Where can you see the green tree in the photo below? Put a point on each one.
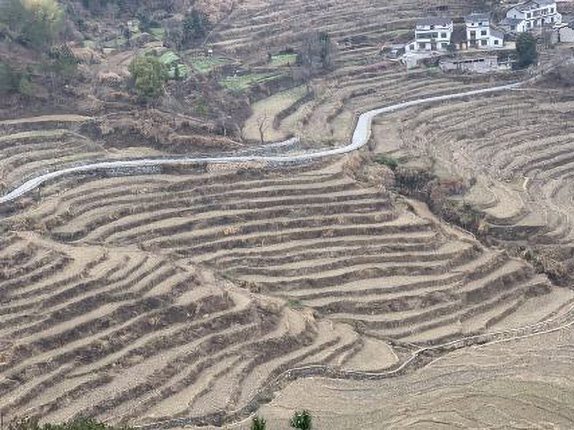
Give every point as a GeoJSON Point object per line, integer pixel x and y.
{"type": "Point", "coordinates": [35, 23]}
{"type": "Point", "coordinates": [149, 76]}
{"type": "Point", "coordinates": [526, 50]}
{"type": "Point", "coordinates": [194, 26]}
{"type": "Point", "coordinates": [258, 423]}
{"type": "Point", "coordinates": [301, 420]}
{"type": "Point", "coordinates": [44, 22]}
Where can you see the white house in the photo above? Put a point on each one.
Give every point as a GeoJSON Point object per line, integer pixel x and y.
{"type": "Point", "coordinates": [431, 34]}
{"type": "Point", "coordinates": [479, 34]}
{"type": "Point", "coordinates": [513, 25]}
{"type": "Point", "coordinates": [530, 15]}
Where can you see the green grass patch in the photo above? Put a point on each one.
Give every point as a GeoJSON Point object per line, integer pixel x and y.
{"type": "Point", "coordinates": [241, 83]}
{"type": "Point", "coordinates": [158, 32]}
{"type": "Point", "coordinates": [204, 64]}
{"type": "Point", "coordinates": [387, 160]}
{"type": "Point", "coordinates": [168, 57]}
{"type": "Point", "coordinates": [283, 59]}
{"type": "Point", "coordinates": [178, 71]}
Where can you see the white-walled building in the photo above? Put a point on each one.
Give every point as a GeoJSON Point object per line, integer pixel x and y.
{"type": "Point", "coordinates": [530, 15]}
{"type": "Point", "coordinates": [431, 34]}
{"type": "Point", "coordinates": [479, 34]}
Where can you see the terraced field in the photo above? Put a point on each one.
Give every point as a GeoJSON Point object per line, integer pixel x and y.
{"type": "Point", "coordinates": [518, 146]}
{"type": "Point", "coordinates": [154, 298]}
{"type": "Point", "coordinates": [130, 335]}
{"type": "Point", "coordinates": [192, 295]}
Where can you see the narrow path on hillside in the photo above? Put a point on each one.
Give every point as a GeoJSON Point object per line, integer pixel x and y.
{"type": "Point", "coordinates": [361, 136]}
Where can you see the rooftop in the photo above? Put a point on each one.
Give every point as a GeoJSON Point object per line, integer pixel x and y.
{"type": "Point", "coordinates": [434, 21]}
{"type": "Point", "coordinates": [496, 33]}
{"type": "Point", "coordinates": [477, 17]}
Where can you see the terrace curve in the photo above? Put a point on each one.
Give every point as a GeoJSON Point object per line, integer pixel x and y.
{"type": "Point", "coordinates": [360, 138]}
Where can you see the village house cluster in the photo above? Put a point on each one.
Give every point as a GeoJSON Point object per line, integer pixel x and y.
{"type": "Point", "coordinates": [437, 34]}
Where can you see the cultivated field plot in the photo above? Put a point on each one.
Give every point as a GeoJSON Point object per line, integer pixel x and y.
{"type": "Point", "coordinates": [184, 296]}
{"type": "Point", "coordinates": [517, 145]}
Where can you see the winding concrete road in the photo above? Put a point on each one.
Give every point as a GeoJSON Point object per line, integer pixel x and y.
{"type": "Point", "coordinates": [361, 136]}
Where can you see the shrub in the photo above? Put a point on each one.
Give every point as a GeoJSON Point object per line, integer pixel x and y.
{"type": "Point", "coordinates": [302, 420]}
{"type": "Point", "coordinates": [526, 50]}
{"type": "Point", "coordinates": [388, 161]}
{"type": "Point", "coordinates": [258, 423]}
{"type": "Point", "coordinates": [149, 76]}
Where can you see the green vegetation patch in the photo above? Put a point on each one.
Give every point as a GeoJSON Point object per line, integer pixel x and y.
{"type": "Point", "coordinates": [387, 160]}
{"type": "Point", "coordinates": [283, 59]}
{"type": "Point", "coordinates": [175, 68]}
{"type": "Point", "coordinates": [178, 71]}
{"type": "Point", "coordinates": [205, 64]}
{"type": "Point", "coordinates": [241, 83]}
{"type": "Point", "coordinates": [168, 57]}
{"type": "Point", "coordinates": [158, 32]}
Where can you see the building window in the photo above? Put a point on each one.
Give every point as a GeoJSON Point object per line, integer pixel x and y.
{"type": "Point", "coordinates": [528, 24]}
{"type": "Point", "coordinates": [443, 35]}
{"type": "Point", "coordinates": [483, 42]}
{"type": "Point", "coordinates": [496, 42]}
{"type": "Point", "coordinates": [412, 47]}
{"type": "Point", "coordinates": [528, 15]}
{"type": "Point", "coordinates": [422, 45]}
{"type": "Point", "coordinates": [444, 45]}
{"type": "Point", "coordinates": [483, 32]}
{"type": "Point", "coordinates": [512, 28]}
{"type": "Point", "coordinates": [480, 23]}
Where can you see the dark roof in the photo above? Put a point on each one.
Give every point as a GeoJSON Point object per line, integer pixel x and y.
{"type": "Point", "coordinates": [497, 33]}
{"type": "Point", "coordinates": [434, 21]}
{"type": "Point", "coordinates": [477, 17]}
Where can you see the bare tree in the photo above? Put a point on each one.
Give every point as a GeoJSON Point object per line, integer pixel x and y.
{"type": "Point", "coordinates": [262, 126]}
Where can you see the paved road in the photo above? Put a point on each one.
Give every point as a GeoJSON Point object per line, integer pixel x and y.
{"type": "Point", "coordinates": [361, 136]}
